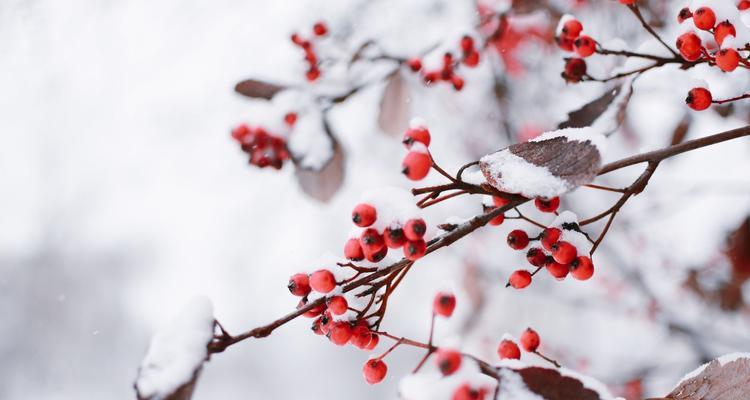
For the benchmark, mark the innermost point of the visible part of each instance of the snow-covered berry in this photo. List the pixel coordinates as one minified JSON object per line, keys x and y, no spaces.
{"x":508,"y":349}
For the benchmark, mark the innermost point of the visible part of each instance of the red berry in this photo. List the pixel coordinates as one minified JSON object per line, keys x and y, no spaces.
{"x":394,"y":237}
{"x":374,"y":339}
{"x":313,"y":312}
{"x":416,"y":165}
{"x":297,"y":39}
{"x":575,"y":69}
{"x":699,"y":99}
{"x":582,"y":268}
{"x":500,"y":201}
{"x":723,"y":30}
{"x":371,"y":241}
{"x":420,"y":134}
{"x":508,"y":349}
{"x":444,"y":304}
{"x":627,"y":2}
{"x":290,"y":118}
{"x":467,"y":43}
{"x":240,"y":132}
{"x":565,"y":44}
{"x":743,"y":5}
{"x":572,"y":28}
{"x":299,"y":285}
{"x":550,"y":236}
{"x":317,"y":328}
{"x":431,"y":77}
{"x":547,"y":205}
{"x":322,"y":281}
{"x":466,"y":392}
{"x":415,"y":249}
{"x":584,"y":46}
{"x":530,"y":340}
{"x":684,"y":14}
{"x":536,"y":257}
{"x":557,"y":270}
{"x":325,"y":323}
{"x":340,"y":333}
{"x":727,"y":59}
{"x":448,"y":361}
{"x":353,"y":250}
{"x":415,"y":64}
{"x":704,"y":18}
{"x":564,"y":252}
{"x":312,"y":74}
{"x":458,"y":82}
{"x":497,"y":220}
{"x":518,"y":239}
{"x":415,"y":228}
{"x":320,"y":29}
{"x":364,"y":215}
{"x":374,"y":371}
{"x":337,"y":305}
{"x":519,"y":279}
{"x":471,"y":59}
{"x":689,"y":45}
{"x":361,"y":336}
{"x":376,"y":256}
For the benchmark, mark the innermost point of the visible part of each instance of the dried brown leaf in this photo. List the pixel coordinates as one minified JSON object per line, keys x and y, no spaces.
{"x":730,"y":381}
{"x":257,"y":89}
{"x":324,"y":183}
{"x":393,"y":118}
{"x":550,"y":384}
{"x":590,"y":112}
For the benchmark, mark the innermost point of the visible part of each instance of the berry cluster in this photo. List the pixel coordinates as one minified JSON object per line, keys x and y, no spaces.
{"x":447,"y":73}
{"x":712,"y":40}
{"x":265,"y":149}
{"x":373,"y":245}
{"x":571,"y":39}
{"x":556,"y":254}
{"x":508,"y":349}
{"x":417,"y":162}
{"x":319,"y":30}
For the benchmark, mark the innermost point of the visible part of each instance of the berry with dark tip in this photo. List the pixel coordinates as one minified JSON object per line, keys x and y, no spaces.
{"x":299,"y":285}
{"x":444,"y":304}
{"x":364,"y":215}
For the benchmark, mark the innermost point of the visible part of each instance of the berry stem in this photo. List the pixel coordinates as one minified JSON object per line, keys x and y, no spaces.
{"x":637,"y":12}
{"x":545,"y":358}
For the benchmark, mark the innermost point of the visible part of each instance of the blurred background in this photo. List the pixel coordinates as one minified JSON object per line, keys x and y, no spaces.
{"x":124,"y":195}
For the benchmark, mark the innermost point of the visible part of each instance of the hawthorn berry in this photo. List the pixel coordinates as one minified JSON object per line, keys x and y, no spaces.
{"x":727,"y":59}
{"x":364,"y":215}
{"x":415,"y":228}
{"x":547,"y":205}
{"x":466,"y":392}
{"x":340,"y":333}
{"x":458,"y":82}
{"x":353,"y":250}
{"x":313,"y":312}
{"x":299,"y":285}
{"x":467,"y":43}
{"x":374,"y":339}
{"x":297,"y":39}
{"x":317,"y":327}
{"x":699,"y":98}
{"x":564,"y":43}
{"x":557,"y":270}
{"x":240,"y":132}
{"x":627,"y":2}
{"x":444,"y":304}
{"x":497,"y":220}
{"x":361,"y":336}
{"x":518,"y":239}
{"x":320,"y":29}
{"x":415,"y":64}
{"x":704,"y":18}
{"x":431,"y":77}
{"x":416,"y":165}
{"x":337,"y":305}
{"x":374,"y":371}
{"x":550,"y":236}
{"x":448,"y":361}
{"x":376,"y":256}
{"x":536,"y":257}
{"x":584,"y":46}
{"x":471,"y":59}
{"x":312,"y":74}
{"x":520,"y":279}
{"x":415,"y":249}
{"x":530,"y":340}
{"x":689,"y":45}
{"x":394,"y":237}
{"x":582,"y":268}
{"x":684,"y":14}
{"x":572,"y":28}
{"x":500,"y":201}
{"x":564,"y":252}
{"x":722,"y":30}
{"x":371,"y":241}
{"x":743,"y":5}
{"x":290,"y":118}
{"x":326,"y":322}
{"x":419,"y":134}
{"x":508,"y":349}
{"x":575,"y":69}
{"x":322,"y":281}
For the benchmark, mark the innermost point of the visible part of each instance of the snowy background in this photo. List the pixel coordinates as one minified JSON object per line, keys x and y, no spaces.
{"x":124,"y":196}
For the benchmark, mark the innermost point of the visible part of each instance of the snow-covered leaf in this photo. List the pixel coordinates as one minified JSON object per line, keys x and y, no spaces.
{"x":393,"y":118}
{"x":606,"y":111}
{"x":171,"y":367}
{"x":257,"y":89}
{"x":550,"y":165}
{"x":550,"y":384}
{"x":726,"y":378}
